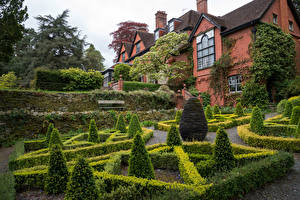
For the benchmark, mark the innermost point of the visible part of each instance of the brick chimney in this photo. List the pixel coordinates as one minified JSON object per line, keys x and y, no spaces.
{"x":202,"y":6}
{"x":161,"y":19}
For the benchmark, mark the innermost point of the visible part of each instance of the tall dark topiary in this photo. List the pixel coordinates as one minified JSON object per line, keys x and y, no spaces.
{"x":48,"y":134}
{"x":193,"y":124}
{"x":173,"y":137}
{"x":55,"y":138}
{"x":208,"y":112}
{"x":140,"y":164}
{"x":288,"y":109}
{"x":93,"y":132}
{"x":239,"y":111}
{"x":134,"y":126}
{"x":257,"y":121}
{"x":222,"y":154}
{"x":295,"y":115}
{"x":216,"y":109}
{"x":57,"y":176}
{"x":178,"y":116}
{"x":82,"y":182}
{"x":121,"y":126}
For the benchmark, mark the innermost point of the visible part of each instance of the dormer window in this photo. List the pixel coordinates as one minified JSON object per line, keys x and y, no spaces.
{"x":138,"y":47}
{"x":156,"y":35}
{"x":291,"y":26}
{"x":123,"y":56}
{"x":171,"y":26}
{"x":275,"y":18}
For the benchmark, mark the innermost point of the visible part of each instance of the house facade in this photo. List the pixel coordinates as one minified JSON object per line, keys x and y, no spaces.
{"x":208,"y":33}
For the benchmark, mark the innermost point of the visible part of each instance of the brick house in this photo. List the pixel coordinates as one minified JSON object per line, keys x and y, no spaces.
{"x":207,"y":32}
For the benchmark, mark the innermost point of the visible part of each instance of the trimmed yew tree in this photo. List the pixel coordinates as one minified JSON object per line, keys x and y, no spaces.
{"x":55,"y":138}
{"x":239,"y":111}
{"x":288,"y":109}
{"x":82,"y":182}
{"x":216,"y":109}
{"x":121,"y":126}
{"x":208,"y":112}
{"x":57,"y":175}
{"x":257,"y":121}
{"x":178,"y":116}
{"x":134,"y":126}
{"x":295,"y":115}
{"x":140,"y":164}
{"x":222,"y":153}
{"x":93,"y":132}
{"x":48,"y":134}
{"x":173,"y":137}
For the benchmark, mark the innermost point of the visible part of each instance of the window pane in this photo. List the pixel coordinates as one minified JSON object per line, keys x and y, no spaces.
{"x":205,"y":52}
{"x":199,"y":54}
{"x":205,"y":42}
{"x":211,"y":42}
{"x":211,"y":60}
{"x":211,"y":50}
{"x":199,"y":46}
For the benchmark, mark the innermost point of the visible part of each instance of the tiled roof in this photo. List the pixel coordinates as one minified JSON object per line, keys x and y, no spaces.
{"x":189,"y":20}
{"x":147,"y":38}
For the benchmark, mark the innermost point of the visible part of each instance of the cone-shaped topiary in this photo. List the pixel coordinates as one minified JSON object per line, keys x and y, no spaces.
{"x":121,"y":124}
{"x":48,"y":134}
{"x":208,"y":112}
{"x":55,"y":138}
{"x":295,"y":115}
{"x":178,"y":116}
{"x":222,"y":154}
{"x":239,"y":111}
{"x":134,"y":126}
{"x":288,"y":109}
{"x":173,"y":137}
{"x":257,"y":121}
{"x":140,"y":164}
{"x":93,"y":132}
{"x":216,"y":109}
{"x":82,"y":182}
{"x":57,"y":176}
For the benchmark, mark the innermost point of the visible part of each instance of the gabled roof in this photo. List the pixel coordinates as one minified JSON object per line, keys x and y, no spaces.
{"x":189,"y":20}
{"x":128,"y":46}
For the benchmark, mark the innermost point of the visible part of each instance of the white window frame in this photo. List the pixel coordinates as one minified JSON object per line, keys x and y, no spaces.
{"x":235,"y":82}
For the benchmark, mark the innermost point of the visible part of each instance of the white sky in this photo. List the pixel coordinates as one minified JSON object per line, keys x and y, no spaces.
{"x":97,"y":18}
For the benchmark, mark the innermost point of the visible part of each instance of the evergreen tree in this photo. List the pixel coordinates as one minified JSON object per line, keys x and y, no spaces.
{"x":82,"y":182}
{"x":55,"y":138}
{"x":257,"y":121}
{"x":295,"y":115}
{"x":93,"y":59}
{"x":57,"y":175}
{"x":216,"y":109}
{"x":178,"y":116}
{"x":134,"y":126}
{"x":222,"y":154}
{"x":93,"y":132}
{"x":288,"y":109}
{"x":208,"y":112}
{"x":173,"y":137}
{"x":140,"y":164}
{"x":48,"y":134}
{"x":121,"y":124}
{"x":239,"y":111}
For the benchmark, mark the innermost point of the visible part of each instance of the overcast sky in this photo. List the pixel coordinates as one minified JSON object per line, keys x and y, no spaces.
{"x":97,"y":18}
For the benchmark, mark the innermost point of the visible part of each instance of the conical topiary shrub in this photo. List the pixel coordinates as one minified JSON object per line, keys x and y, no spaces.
{"x":295,"y":115}
{"x":48,"y":134}
{"x":222,"y":154}
{"x":216,"y":109}
{"x":193,"y":124}
{"x":173,"y":137}
{"x":288,"y":109}
{"x":140,"y":164}
{"x":134,"y":126}
{"x":178,"y":116}
{"x":82,"y":182}
{"x":93,"y":132}
{"x":121,"y":126}
{"x":208,"y":112}
{"x":239,"y":111}
{"x":57,"y":176}
{"x":257,"y":121}
{"x":55,"y":138}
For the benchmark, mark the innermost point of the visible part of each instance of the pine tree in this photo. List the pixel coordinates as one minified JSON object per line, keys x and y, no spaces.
{"x":173,"y":137}
{"x":134,"y":126}
{"x":257,"y":121}
{"x":82,"y":182}
{"x":239,"y":110}
{"x":222,"y":153}
{"x":93,"y":132}
{"x":178,"y":116}
{"x":48,"y":134}
{"x":57,"y":175}
{"x":216,"y":109}
{"x":208,"y":112}
{"x":121,"y":124}
{"x":140,"y":164}
{"x":55,"y":138}
{"x":288,"y":109}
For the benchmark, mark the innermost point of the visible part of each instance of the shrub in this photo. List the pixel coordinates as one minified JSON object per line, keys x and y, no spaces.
{"x":194,"y":91}
{"x":206,"y":167}
{"x":205,"y":98}
{"x":55,"y":138}
{"x":178,"y":116}
{"x":295,"y":115}
{"x":288,"y":109}
{"x":281,"y":106}
{"x":140,"y":164}
{"x":256,"y":121}
{"x":82,"y":183}
{"x":216,"y":109}
{"x":7,"y":186}
{"x":122,"y":69}
{"x":132,"y":86}
{"x":173,"y":137}
{"x":254,"y":94}
{"x":222,"y":153}
{"x":93,"y":132}
{"x":8,"y":80}
{"x":298,"y":130}
{"x":121,"y":124}
{"x":113,"y":115}
{"x":57,"y":175}
{"x":294,"y":87}
{"x":134,"y":126}
{"x":239,"y":110}
{"x":48,"y":134}
{"x":208,"y":112}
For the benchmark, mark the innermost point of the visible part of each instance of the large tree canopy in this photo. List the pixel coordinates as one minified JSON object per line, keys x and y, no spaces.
{"x":12,"y":15}
{"x":125,"y":33}
{"x":93,"y":59}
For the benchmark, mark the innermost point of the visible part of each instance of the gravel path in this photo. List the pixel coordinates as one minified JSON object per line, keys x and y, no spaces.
{"x":4,"y":154}
{"x":158,"y":137}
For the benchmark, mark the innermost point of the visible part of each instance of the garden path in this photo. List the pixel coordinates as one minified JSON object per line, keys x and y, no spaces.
{"x":4,"y":154}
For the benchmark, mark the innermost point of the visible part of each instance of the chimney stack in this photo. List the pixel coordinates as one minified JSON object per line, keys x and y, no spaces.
{"x":202,"y":6}
{"x":161,"y":19}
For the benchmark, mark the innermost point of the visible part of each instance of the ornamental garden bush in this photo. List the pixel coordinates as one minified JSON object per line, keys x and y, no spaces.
{"x":173,"y":137}
{"x":93,"y":132}
{"x":55,"y":138}
{"x":208,"y":112}
{"x":121,"y":124}
{"x":239,"y":111}
{"x":216,"y":109}
{"x":288,"y":109}
{"x":48,"y":134}
{"x":257,"y":122}
{"x":178,"y":116}
{"x":281,"y":106}
{"x":295,"y":115}
{"x":134,"y":126}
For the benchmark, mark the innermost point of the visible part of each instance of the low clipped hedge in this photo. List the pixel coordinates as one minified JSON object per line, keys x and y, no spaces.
{"x":270,"y":142}
{"x":132,"y":86}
